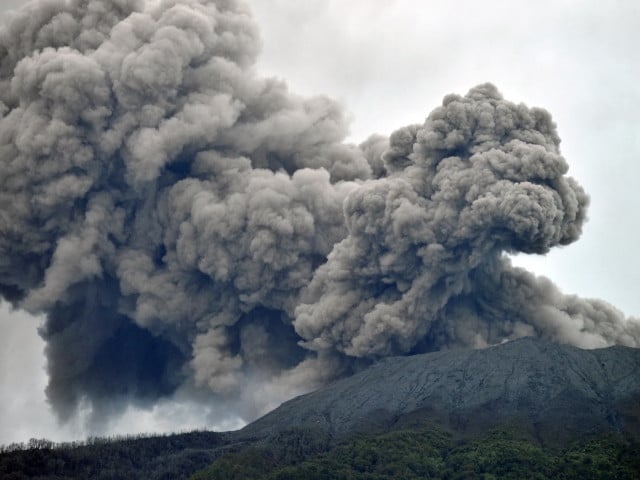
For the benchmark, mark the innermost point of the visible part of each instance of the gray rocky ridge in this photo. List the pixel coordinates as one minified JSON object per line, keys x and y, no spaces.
{"x":557,"y":392}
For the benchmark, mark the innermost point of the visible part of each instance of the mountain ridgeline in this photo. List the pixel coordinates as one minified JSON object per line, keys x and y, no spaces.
{"x":527,"y":407}
{"x":559,"y":392}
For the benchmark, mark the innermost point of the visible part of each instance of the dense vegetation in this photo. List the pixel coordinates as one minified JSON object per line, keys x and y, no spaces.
{"x":420,"y":453}
{"x":434,"y":454}
{"x":158,"y":457}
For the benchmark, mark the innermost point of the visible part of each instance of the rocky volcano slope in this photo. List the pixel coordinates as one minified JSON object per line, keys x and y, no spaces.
{"x":555,"y":392}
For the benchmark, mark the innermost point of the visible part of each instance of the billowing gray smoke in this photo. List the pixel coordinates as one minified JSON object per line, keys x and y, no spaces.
{"x":187,"y":225}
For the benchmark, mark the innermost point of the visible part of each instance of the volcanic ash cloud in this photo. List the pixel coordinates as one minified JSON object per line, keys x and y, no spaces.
{"x":188,"y":225}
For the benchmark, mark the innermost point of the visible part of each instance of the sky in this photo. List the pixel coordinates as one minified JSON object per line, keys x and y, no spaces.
{"x":390,"y":63}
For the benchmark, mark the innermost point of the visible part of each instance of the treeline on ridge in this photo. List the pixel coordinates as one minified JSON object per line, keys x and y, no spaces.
{"x":132,"y":457}
{"x":419,"y":453}
{"x":434,"y":454}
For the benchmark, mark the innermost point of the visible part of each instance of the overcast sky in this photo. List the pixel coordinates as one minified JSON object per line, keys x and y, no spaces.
{"x":391,"y":62}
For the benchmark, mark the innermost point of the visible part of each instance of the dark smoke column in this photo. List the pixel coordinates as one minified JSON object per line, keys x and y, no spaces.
{"x":160,"y":202}
{"x":187,"y":225}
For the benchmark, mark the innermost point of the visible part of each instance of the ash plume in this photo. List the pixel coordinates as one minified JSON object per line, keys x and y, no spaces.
{"x":188,"y":225}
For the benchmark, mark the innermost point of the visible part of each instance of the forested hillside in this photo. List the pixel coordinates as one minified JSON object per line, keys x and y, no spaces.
{"x":131,"y":458}
{"x":434,"y":453}
{"x":419,"y":453}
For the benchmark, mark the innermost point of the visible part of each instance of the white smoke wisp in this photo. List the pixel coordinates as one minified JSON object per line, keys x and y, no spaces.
{"x":189,"y":226}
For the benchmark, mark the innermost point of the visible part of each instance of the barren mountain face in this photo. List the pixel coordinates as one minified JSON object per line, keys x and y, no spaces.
{"x":555,"y":392}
